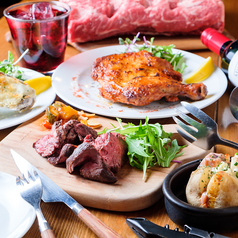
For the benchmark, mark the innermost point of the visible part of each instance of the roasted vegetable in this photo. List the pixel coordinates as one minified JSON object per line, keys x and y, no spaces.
{"x":60,"y":111}
{"x":52,"y":114}
{"x":67,"y":113}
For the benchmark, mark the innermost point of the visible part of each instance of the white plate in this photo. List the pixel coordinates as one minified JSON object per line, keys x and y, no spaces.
{"x":16,"y":215}
{"x":10,"y":118}
{"x":73,"y":83}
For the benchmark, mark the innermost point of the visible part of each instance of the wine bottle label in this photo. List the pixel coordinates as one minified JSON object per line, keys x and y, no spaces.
{"x":233,"y":70}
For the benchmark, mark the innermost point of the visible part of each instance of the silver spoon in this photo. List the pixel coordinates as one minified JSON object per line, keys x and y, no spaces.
{"x":233,"y":102}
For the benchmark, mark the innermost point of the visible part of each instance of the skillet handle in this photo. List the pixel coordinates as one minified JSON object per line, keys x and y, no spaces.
{"x":97,"y":226}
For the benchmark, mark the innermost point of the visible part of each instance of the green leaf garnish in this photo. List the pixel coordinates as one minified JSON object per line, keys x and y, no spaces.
{"x":10,"y":68}
{"x":148,"y":144}
{"x":164,"y":52}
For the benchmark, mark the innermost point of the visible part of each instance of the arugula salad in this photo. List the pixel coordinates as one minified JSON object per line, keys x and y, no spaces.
{"x":148,"y":144}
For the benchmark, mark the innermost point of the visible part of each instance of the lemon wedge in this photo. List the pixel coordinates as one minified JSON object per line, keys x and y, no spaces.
{"x":40,"y":84}
{"x":203,"y":72}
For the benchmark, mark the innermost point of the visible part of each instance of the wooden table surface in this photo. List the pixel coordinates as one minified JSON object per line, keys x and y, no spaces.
{"x":66,"y":224}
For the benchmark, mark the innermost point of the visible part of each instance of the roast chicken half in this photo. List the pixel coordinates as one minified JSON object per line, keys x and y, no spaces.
{"x":139,"y":78}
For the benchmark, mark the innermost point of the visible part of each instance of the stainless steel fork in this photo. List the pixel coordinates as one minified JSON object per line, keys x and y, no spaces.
{"x":203,"y":134}
{"x":31,"y":191}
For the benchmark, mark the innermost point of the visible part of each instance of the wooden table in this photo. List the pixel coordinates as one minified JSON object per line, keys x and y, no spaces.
{"x":64,"y":222}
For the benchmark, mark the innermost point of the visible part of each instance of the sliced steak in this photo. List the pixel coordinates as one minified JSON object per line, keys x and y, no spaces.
{"x":65,"y":152}
{"x":91,"y":164}
{"x":83,"y":130}
{"x":71,"y":132}
{"x":60,"y":134}
{"x":71,"y":135}
{"x":113,"y":150}
{"x":97,"y":157}
{"x":89,"y":139}
{"x":48,"y":144}
{"x":82,"y":154}
{"x":98,"y":171}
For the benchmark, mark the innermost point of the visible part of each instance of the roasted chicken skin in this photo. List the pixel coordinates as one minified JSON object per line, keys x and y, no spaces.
{"x":139,"y":78}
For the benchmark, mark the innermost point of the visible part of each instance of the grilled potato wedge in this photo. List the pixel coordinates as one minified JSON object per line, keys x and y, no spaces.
{"x":15,"y":94}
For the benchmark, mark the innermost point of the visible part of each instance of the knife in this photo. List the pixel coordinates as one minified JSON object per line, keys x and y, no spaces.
{"x":144,"y":228}
{"x":53,"y":193}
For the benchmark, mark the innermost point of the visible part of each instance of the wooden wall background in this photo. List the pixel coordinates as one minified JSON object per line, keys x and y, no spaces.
{"x":231,"y":17}
{"x":231,"y":14}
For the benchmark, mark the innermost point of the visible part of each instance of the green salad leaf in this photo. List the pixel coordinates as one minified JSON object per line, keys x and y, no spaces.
{"x":148,"y":144}
{"x":9,"y":67}
{"x":164,"y":52}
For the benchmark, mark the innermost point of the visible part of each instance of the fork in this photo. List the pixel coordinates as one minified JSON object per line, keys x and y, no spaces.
{"x":31,"y":191}
{"x":203,"y":134}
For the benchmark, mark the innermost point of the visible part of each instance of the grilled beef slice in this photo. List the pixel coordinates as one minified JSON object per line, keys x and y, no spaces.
{"x":83,"y":130}
{"x":96,"y":157}
{"x":83,"y":153}
{"x":113,"y":150}
{"x":71,"y":132}
{"x":91,"y":164}
{"x":99,"y":159}
{"x":98,"y":171}
{"x":65,"y":152}
{"x":47,"y":145}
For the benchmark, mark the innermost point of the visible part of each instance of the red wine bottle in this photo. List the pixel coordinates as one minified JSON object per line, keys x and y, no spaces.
{"x":224,"y":47}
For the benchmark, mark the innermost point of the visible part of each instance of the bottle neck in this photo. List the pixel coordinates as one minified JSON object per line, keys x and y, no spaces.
{"x":224,"y":47}
{"x":214,"y":40}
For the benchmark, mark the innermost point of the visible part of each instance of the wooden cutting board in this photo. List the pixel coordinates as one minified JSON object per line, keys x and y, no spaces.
{"x":129,"y":193}
{"x":182,"y":42}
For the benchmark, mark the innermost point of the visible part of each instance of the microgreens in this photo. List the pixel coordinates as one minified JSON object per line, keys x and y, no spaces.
{"x":164,"y":52}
